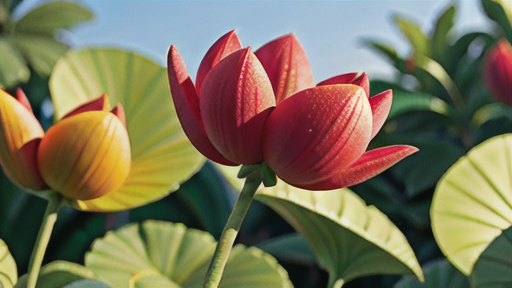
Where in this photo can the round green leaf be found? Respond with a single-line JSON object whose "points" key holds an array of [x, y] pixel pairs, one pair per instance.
{"points": [[494, 266], [58, 274], [472, 203], [157, 252], [439, 274], [349, 239], [8, 271], [162, 156]]}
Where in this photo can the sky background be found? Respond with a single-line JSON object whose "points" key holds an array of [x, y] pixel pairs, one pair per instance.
{"points": [[330, 32]]}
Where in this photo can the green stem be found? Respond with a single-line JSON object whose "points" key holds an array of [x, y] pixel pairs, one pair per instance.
{"points": [[225, 244], [49, 218]]}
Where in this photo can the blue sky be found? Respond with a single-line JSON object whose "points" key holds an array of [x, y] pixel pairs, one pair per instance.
{"points": [[329, 31]]}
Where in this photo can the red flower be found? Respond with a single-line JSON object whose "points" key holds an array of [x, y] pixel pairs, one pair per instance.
{"points": [[497, 71], [263, 106]]}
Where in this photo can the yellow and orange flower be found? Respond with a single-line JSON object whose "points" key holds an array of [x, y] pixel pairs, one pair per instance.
{"points": [[84, 156]]}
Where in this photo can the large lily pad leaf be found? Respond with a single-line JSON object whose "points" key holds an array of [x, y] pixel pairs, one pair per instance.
{"points": [[58, 274], [349, 239], [163, 253], [8, 271], [162, 156], [472, 203], [494, 266], [439, 274]]}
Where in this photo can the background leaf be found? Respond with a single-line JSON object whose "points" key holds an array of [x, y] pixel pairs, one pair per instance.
{"points": [[13, 69], [46, 18], [440, 41], [438, 274], [292, 247], [8, 272], [501, 12], [494, 266], [472, 204], [349, 239], [413, 34], [158, 250], [162, 156]]}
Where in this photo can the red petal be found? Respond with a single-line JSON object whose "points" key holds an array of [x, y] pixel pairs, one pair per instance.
{"points": [[349, 78], [287, 66], [119, 112], [369, 165], [186, 103], [316, 133], [235, 102], [28, 159], [226, 45], [381, 104], [99, 104], [22, 98]]}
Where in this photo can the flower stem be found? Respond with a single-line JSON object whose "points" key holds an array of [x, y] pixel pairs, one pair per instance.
{"points": [[225, 244], [49, 218]]}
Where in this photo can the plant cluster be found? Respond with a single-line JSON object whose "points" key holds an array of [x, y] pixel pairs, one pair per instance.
{"points": [[144, 178]]}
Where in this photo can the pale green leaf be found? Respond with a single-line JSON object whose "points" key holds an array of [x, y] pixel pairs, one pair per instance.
{"points": [[349, 239], [162, 156], [8, 271], [472, 203], [494, 266], [13, 69], [41, 52], [48, 17], [439, 274], [58, 274], [165, 253]]}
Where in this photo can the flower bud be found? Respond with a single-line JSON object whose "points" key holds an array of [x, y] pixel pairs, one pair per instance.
{"points": [[497, 71], [85, 156], [20, 133]]}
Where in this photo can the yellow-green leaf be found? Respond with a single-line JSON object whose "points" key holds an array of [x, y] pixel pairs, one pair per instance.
{"points": [[472, 203], [349, 239], [163, 253], [162, 156], [8, 271]]}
